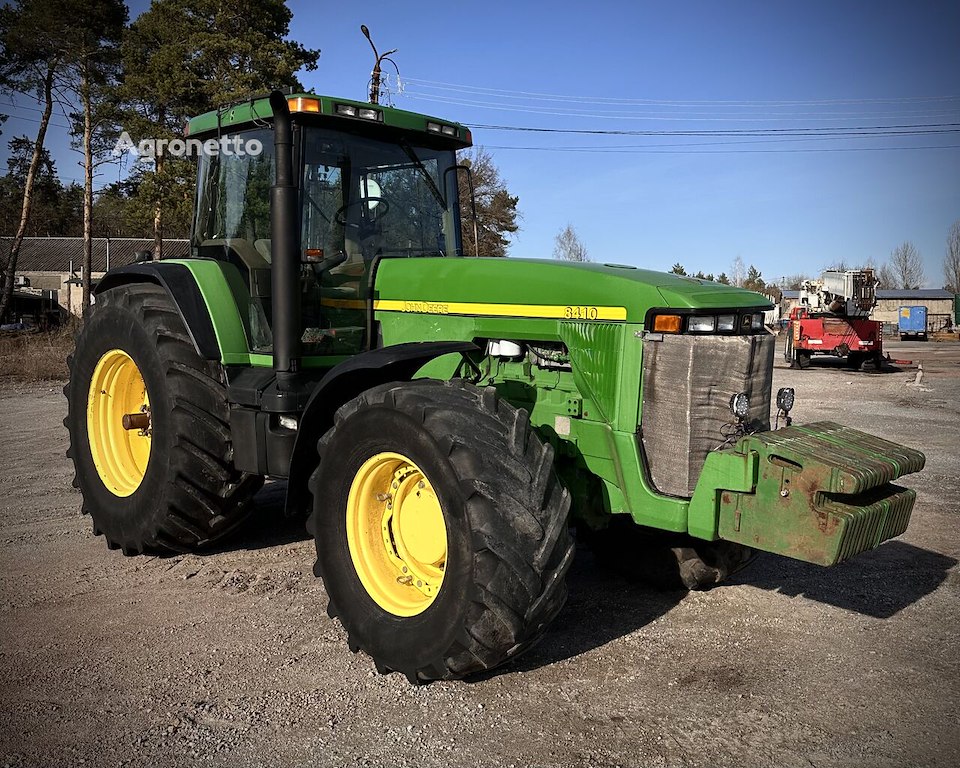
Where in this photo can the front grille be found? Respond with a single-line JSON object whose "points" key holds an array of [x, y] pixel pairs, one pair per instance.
{"points": [[687, 384]]}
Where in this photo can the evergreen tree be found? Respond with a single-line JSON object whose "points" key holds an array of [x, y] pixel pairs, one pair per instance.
{"points": [[496, 208], [185, 57]]}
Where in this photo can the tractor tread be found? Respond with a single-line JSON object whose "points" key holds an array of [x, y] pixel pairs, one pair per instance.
{"points": [[518, 513], [206, 496]]}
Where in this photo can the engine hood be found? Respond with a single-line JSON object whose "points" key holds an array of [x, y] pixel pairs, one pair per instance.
{"points": [[565, 289]]}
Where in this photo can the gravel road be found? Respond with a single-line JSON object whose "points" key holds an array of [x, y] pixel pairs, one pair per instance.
{"points": [[228, 658]]}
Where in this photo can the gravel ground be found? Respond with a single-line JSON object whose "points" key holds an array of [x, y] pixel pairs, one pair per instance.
{"points": [[228, 658]]}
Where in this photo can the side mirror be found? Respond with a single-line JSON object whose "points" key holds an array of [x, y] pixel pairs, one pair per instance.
{"points": [[141, 256], [473, 202]]}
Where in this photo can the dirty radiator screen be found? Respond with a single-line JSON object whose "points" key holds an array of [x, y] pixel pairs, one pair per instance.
{"points": [[687, 384]]}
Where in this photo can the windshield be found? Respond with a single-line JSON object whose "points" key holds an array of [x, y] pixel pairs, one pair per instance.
{"points": [[369, 198]]}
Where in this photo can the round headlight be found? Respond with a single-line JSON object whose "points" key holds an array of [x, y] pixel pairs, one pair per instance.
{"points": [[785, 399], [740, 404]]}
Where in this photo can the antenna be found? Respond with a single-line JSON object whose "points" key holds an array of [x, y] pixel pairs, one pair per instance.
{"points": [[375, 75]]}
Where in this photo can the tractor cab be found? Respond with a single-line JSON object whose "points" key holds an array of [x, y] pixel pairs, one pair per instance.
{"points": [[373, 182]]}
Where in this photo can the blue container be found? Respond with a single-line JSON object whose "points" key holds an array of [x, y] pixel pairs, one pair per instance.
{"points": [[913, 322]]}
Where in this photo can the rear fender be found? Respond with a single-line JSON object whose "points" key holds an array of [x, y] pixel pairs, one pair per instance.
{"points": [[181, 285]]}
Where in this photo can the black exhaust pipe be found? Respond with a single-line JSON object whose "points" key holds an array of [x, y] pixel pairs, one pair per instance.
{"points": [[285, 249]]}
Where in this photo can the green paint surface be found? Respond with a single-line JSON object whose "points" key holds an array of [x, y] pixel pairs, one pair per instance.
{"points": [[248, 114], [218, 288], [819, 493], [553, 283]]}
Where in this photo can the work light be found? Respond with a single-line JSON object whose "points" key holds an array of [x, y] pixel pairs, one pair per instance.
{"points": [[785, 399], [740, 405]]}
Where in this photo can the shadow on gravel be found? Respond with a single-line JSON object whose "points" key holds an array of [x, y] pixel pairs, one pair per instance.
{"points": [[879, 583], [268, 526], [840, 365], [601, 607]]}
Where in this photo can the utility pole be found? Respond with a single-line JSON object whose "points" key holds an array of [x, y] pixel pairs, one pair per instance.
{"points": [[375, 75]]}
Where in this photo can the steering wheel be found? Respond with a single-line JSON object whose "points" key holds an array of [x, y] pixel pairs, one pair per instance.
{"points": [[382, 207]]}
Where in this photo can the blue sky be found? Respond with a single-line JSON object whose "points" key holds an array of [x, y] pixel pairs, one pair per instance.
{"points": [[786, 204]]}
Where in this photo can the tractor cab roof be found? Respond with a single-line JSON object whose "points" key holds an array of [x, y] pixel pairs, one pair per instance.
{"points": [[333, 112]]}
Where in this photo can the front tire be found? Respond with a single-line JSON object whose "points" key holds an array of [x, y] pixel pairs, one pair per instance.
{"points": [[168, 484], [439, 602], [666, 560]]}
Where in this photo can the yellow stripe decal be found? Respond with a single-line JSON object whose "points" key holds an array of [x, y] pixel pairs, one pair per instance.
{"points": [[546, 311]]}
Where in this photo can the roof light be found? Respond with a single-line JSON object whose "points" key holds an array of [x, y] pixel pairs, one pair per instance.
{"points": [[448, 130], [369, 114], [347, 109], [434, 127], [301, 104], [756, 322], [666, 324]]}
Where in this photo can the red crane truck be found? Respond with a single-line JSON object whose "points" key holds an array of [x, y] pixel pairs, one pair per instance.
{"points": [[832, 318]]}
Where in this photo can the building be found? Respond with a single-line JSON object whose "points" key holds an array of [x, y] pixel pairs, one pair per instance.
{"points": [[52, 266], [939, 304]]}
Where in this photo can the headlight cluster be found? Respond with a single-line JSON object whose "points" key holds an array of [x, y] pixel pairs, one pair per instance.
{"points": [[740, 404], [727, 322]]}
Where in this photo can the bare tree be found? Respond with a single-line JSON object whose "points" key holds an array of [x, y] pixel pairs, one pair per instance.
{"points": [[567, 246], [951, 259], [793, 282], [886, 277], [738, 272], [840, 265], [907, 266]]}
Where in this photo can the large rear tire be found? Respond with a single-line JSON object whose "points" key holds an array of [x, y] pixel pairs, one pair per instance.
{"points": [[441, 529], [168, 483]]}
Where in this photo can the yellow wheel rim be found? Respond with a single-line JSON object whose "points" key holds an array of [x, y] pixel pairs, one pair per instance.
{"points": [[396, 534], [117, 390]]}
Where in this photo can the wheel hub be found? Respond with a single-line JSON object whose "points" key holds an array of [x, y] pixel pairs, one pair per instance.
{"points": [[396, 534], [119, 429]]}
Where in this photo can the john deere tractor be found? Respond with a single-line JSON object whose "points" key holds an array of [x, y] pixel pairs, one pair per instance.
{"points": [[443, 420]]}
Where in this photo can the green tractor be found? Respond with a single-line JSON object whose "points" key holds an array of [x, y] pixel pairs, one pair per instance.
{"points": [[442, 420]]}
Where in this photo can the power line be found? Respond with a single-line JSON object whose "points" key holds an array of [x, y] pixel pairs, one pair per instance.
{"points": [[619, 115], [670, 102], [910, 129], [655, 151]]}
